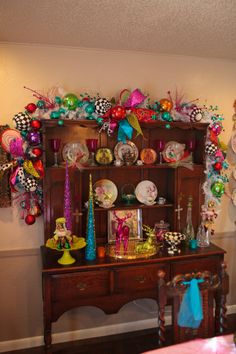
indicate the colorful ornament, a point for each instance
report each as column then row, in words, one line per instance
column 30, row 219
column 217, row 128
column 41, row 104
column 166, row 105
column 166, row 116
column 118, row 113
column 35, row 124
column 36, row 152
column 90, row 250
column 218, row 189
column 102, row 105
column 70, row 101
column 60, row 122
column 135, row 98
column 196, row 114
column 30, row 184
column 31, row 107
column 210, row 149
column 34, row 138
column 22, row 121
column 218, row 166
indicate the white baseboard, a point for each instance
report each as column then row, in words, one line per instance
column 119, row 328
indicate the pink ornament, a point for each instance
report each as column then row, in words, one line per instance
column 217, row 128
column 135, row 98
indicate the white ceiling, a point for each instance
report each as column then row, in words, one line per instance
column 187, row 27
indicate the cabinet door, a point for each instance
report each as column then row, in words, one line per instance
column 54, row 188
column 189, row 182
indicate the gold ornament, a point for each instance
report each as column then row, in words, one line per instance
column 166, row 105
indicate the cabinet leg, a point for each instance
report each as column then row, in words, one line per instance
column 48, row 336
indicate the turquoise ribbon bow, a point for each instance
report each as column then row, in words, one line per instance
column 125, row 130
column 190, row 313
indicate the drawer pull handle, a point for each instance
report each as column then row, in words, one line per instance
column 141, row 279
column 81, row 286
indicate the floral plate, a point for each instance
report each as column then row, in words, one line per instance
column 105, row 193
column 146, row 192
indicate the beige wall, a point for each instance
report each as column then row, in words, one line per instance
column 106, row 72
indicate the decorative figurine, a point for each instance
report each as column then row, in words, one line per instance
column 122, row 232
column 148, row 247
column 62, row 237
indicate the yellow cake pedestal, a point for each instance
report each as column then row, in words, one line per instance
column 66, row 258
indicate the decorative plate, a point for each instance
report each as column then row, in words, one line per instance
column 233, row 142
column 146, row 192
column 105, row 193
column 148, row 156
column 173, row 151
column 75, row 153
column 104, row 156
column 127, row 152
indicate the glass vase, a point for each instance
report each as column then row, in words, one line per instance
column 203, row 236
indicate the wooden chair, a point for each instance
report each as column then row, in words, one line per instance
column 214, row 289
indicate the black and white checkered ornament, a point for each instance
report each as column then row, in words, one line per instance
column 21, row 176
column 195, row 114
column 211, row 149
column 30, row 184
column 102, row 105
column 22, row 121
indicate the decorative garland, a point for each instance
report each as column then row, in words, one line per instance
column 124, row 115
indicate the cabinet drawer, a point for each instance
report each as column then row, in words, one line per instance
column 68, row 286
column 211, row 264
column 132, row 279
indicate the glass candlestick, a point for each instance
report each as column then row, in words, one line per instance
column 160, row 145
column 92, row 145
column 55, row 144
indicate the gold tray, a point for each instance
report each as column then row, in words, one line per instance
column 131, row 252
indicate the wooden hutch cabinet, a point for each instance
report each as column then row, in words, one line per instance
column 109, row 283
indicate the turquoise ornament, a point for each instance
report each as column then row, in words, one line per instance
column 24, row 133
column 80, row 103
column 100, row 121
column 58, row 100
column 166, row 116
column 89, row 108
column 218, row 189
column 62, row 110
column 41, row 104
column 167, row 126
column 60, row 122
column 55, row 115
column 70, row 101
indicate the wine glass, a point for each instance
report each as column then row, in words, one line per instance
column 92, row 145
column 55, row 145
column 191, row 145
column 160, row 144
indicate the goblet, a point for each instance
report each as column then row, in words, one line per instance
column 191, row 145
column 55, row 144
column 92, row 145
column 160, row 144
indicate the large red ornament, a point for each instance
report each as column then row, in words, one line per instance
column 118, row 113
column 36, row 124
column 30, row 219
column 37, row 152
column 31, row 107
column 217, row 166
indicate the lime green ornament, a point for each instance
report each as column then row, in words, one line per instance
column 218, row 189
column 60, row 122
column 55, row 115
column 70, row 101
